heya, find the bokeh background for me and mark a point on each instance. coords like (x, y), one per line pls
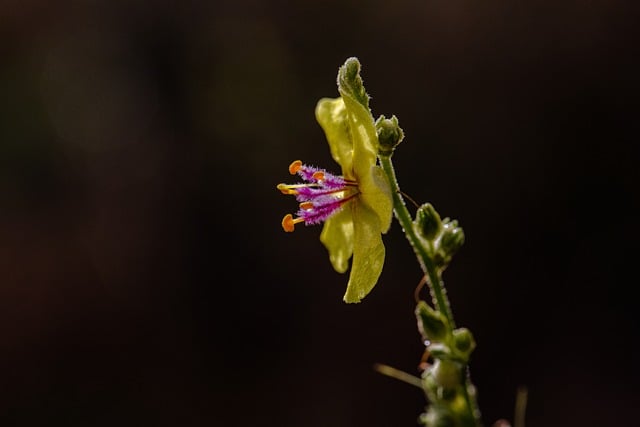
(144, 276)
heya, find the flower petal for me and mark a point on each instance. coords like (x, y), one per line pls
(368, 253)
(375, 191)
(337, 236)
(372, 181)
(363, 136)
(331, 114)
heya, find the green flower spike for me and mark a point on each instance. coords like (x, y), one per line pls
(356, 229)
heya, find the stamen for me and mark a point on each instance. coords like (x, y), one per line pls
(310, 192)
(286, 189)
(288, 223)
(321, 209)
(295, 166)
(320, 195)
(304, 185)
(318, 176)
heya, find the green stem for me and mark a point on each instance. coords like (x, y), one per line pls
(472, 406)
(428, 267)
(435, 282)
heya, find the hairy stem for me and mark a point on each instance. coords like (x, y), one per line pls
(432, 273)
(428, 267)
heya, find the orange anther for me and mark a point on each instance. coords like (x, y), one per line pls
(288, 222)
(295, 166)
(286, 189)
(306, 205)
(318, 176)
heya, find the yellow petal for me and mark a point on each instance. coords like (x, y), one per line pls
(363, 136)
(368, 253)
(372, 181)
(331, 114)
(375, 191)
(337, 236)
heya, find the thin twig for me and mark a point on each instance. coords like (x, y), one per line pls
(521, 406)
(398, 374)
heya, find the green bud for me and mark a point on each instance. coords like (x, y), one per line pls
(440, 260)
(440, 351)
(431, 324)
(447, 373)
(463, 342)
(437, 416)
(427, 221)
(390, 134)
(449, 395)
(460, 409)
(428, 382)
(350, 82)
(452, 238)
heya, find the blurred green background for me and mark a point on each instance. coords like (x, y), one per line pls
(144, 276)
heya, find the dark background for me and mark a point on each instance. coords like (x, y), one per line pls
(144, 276)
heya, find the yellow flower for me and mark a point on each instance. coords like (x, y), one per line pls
(365, 205)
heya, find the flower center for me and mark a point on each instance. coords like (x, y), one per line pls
(320, 196)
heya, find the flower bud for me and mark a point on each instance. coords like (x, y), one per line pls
(431, 324)
(463, 342)
(437, 416)
(440, 351)
(447, 373)
(452, 238)
(428, 382)
(390, 134)
(428, 223)
(350, 82)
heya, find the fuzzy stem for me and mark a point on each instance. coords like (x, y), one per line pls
(436, 285)
(428, 267)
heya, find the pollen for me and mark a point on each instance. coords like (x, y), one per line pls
(318, 176)
(288, 223)
(295, 166)
(286, 189)
(306, 205)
